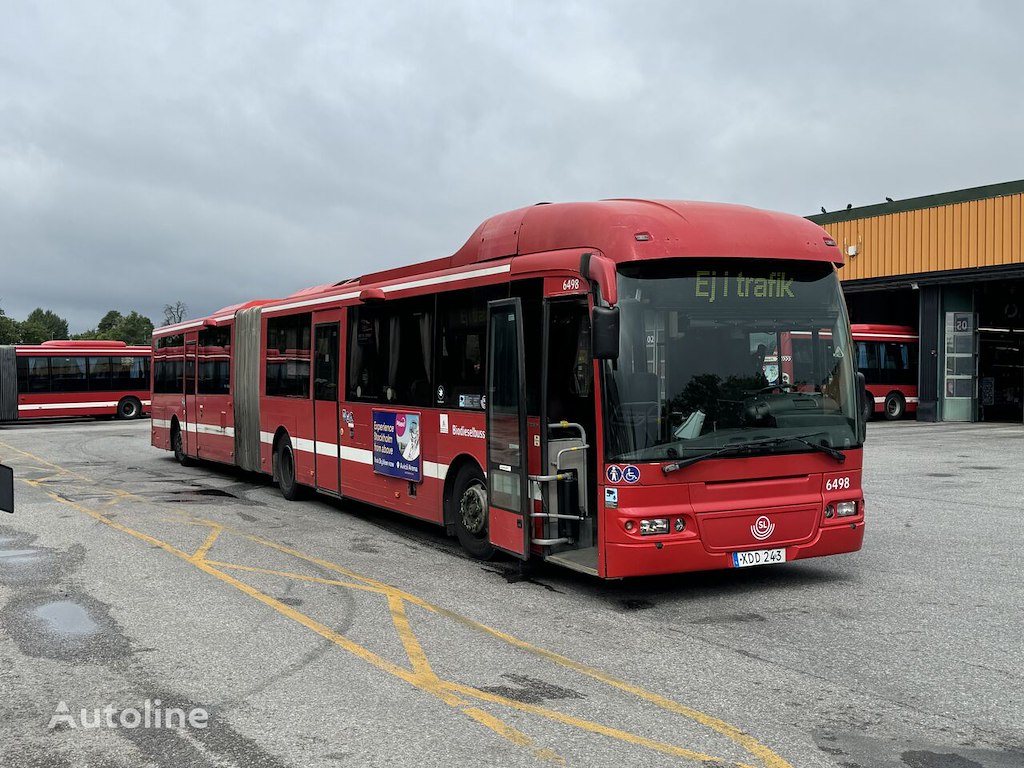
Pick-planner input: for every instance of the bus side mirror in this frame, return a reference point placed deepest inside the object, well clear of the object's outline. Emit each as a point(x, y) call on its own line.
point(862, 404)
point(6, 488)
point(604, 333)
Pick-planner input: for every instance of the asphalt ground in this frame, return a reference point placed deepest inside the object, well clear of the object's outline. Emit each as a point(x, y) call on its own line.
point(328, 633)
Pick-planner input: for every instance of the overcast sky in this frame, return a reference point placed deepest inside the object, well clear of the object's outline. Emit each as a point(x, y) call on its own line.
point(212, 151)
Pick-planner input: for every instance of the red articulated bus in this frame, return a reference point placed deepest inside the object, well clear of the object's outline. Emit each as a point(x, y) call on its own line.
point(59, 379)
point(887, 356)
point(580, 382)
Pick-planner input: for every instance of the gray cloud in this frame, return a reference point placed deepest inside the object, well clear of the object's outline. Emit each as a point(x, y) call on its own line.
point(215, 152)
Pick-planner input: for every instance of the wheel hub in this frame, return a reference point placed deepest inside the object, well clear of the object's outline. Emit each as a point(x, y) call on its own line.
point(473, 509)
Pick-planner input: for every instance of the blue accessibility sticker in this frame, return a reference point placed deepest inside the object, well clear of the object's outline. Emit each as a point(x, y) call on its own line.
point(613, 473)
point(631, 474)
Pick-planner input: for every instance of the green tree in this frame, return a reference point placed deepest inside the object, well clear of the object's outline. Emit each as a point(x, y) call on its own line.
point(132, 328)
point(109, 321)
point(10, 329)
point(42, 325)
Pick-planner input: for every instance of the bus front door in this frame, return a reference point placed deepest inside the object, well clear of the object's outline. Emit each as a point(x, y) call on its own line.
point(505, 413)
point(326, 372)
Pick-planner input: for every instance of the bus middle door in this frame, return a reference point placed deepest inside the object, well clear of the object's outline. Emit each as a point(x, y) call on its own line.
point(326, 373)
point(191, 405)
point(505, 412)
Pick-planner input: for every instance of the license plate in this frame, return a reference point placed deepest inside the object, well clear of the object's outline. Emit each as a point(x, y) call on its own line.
point(758, 557)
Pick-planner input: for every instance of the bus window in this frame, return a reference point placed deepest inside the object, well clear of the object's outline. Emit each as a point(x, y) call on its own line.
point(461, 348)
point(33, 374)
point(288, 355)
point(67, 374)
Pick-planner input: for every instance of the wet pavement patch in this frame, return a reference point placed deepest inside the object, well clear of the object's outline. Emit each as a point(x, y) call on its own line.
point(730, 618)
point(66, 617)
point(198, 495)
point(924, 759)
point(857, 750)
point(63, 626)
point(636, 605)
point(22, 562)
point(529, 690)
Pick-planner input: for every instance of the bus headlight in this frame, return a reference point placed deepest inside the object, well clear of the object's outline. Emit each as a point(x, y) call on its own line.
point(654, 527)
point(846, 508)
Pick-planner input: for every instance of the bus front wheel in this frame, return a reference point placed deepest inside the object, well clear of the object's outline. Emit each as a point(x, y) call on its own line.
point(895, 406)
point(470, 512)
point(284, 458)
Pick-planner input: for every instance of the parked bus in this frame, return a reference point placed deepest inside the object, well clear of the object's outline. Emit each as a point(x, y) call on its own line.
point(578, 383)
point(74, 378)
point(887, 356)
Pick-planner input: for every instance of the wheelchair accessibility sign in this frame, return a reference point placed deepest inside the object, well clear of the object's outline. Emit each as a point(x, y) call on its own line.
point(615, 474)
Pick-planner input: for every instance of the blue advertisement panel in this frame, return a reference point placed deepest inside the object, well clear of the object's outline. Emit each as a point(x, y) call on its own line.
point(396, 445)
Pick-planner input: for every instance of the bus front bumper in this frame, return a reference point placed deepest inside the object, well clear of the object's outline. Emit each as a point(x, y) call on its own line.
point(647, 558)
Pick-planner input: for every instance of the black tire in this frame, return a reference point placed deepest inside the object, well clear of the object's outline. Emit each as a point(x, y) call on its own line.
point(284, 468)
point(129, 408)
point(470, 513)
point(869, 405)
point(895, 406)
point(178, 448)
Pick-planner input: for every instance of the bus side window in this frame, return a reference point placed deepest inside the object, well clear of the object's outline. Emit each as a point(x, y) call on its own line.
point(461, 348)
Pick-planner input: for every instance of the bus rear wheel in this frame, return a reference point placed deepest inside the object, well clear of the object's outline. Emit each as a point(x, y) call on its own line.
point(178, 447)
point(869, 405)
point(895, 406)
point(284, 460)
point(129, 408)
point(470, 512)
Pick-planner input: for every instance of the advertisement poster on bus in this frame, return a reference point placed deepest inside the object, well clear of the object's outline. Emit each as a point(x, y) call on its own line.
point(396, 445)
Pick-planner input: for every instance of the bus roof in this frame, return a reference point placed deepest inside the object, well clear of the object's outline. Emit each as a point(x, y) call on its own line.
point(80, 346)
point(622, 230)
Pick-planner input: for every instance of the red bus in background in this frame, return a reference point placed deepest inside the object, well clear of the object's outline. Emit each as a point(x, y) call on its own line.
point(887, 356)
point(74, 378)
point(579, 383)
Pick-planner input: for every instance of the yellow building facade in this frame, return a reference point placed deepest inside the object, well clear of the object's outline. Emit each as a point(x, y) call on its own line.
point(950, 265)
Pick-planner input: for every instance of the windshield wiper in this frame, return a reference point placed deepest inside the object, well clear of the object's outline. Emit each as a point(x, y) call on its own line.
point(835, 453)
point(750, 445)
point(724, 450)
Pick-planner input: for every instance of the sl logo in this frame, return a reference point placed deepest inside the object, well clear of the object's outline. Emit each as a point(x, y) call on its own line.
point(762, 528)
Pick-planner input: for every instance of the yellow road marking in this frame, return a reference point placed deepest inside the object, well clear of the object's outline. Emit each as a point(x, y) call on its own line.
point(421, 675)
point(200, 554)
point(295, 576)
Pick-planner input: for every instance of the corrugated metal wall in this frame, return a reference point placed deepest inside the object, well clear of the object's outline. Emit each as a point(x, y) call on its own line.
point(8, 384)
point(979, 233)
point(246, 385)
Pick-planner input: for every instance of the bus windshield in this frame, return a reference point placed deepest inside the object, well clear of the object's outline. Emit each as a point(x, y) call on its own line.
point(716, 352)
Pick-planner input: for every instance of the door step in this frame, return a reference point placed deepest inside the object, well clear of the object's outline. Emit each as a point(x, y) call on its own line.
point(582, 560)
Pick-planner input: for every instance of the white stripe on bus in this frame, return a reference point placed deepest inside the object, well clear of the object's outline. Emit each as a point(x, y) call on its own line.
point(484, 272)
point(880, 400)
point(57, 406)
point(355, 455)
